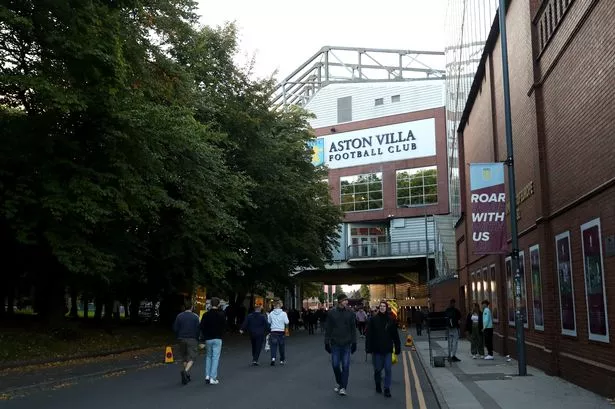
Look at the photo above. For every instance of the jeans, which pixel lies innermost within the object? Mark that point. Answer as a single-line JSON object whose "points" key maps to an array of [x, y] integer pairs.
{"points": [[382, 361], [488, 334], [276, 339], [476, 339], [453, 339], [340, 356], [257, 345], [419, 329], [212, 358]]}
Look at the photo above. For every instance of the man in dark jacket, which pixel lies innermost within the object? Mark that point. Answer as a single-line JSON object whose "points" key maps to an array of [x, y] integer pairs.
{"points": [[256, 325], [213, 324], [382, 336], [341, 341]]}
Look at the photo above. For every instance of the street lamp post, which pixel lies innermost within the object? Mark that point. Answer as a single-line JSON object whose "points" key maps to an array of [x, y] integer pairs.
{"points": [[512, 193]]}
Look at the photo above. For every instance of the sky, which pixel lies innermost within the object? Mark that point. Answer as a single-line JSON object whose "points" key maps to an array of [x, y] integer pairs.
{"points": [[281, 35]]}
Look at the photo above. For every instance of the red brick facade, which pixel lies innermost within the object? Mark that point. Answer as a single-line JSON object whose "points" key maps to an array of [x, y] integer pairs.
{"points": [[562, 99], [389, 169]]}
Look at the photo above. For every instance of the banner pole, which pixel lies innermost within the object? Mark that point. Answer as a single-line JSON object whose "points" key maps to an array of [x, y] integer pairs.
{"points": [[520, 332]]}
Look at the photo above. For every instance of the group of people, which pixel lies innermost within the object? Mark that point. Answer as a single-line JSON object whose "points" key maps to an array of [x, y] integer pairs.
{"points": [[478, 325], [341, 327], [382, 340], [208, 334]]}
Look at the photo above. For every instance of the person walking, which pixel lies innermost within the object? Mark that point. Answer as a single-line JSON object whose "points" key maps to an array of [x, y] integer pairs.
{"points": [[362, 321], [382, 341], [419, 318], [278, 320], [186, 328], [213, 324], [474, 327], [453, 316], [256, 326], [341, 341], [488, 329]]}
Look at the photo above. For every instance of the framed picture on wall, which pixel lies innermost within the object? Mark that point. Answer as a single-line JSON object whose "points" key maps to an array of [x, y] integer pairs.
{"points": [[536, 279], [595, 293], [566, 284], [509, 292], [494, 295], [523, 288]]}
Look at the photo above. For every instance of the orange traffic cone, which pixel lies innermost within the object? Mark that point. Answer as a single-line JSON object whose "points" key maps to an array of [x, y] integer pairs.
{"points": [[168, 355]]}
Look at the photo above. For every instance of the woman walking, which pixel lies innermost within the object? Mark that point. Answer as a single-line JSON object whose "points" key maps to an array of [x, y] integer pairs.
{"points": [[474, 326]]}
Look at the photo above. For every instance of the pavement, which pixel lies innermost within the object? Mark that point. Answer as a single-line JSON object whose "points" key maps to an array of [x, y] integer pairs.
{"points": [[476, 383], [142, 381]]}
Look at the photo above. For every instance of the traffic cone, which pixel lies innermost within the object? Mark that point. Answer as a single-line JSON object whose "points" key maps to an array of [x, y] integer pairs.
{"points": [[168, 355], [409, 341]]}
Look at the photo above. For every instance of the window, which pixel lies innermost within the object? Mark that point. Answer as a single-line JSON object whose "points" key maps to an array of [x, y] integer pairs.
{"points": [[494, 295], [379, 101], [417, 187], [395, 98], [368, 241], [344, 109], [361, 192]]}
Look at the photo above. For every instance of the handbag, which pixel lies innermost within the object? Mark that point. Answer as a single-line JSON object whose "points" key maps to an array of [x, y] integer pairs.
{"points": [[394, 359], [267, 346]]}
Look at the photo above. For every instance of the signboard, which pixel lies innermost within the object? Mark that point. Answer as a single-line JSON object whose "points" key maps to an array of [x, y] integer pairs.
{"points": [[488, 206], [408, 140]]}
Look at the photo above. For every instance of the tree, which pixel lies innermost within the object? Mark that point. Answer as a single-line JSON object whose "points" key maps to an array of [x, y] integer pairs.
{"points": [[364, 291], [138, 160]]}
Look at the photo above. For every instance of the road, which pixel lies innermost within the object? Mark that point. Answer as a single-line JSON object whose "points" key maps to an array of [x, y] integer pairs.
{"points": [[305, 382]]}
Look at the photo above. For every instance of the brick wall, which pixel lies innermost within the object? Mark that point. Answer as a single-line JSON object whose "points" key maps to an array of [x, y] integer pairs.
{"points": [[442, 293], [563, 119]]}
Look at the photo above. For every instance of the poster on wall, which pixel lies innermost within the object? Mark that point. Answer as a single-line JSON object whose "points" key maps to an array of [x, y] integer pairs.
{"points": [[539, 323], [494, 296], [566, 285], [595, 294], [509, 294], [523, 288], [488, 207]]}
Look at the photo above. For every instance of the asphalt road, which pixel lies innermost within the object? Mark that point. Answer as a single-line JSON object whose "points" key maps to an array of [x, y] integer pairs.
{"points": [[305, 382]]}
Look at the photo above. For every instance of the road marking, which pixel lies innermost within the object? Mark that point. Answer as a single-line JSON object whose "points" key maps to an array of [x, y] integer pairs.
{"points": [[417, 382], [407, 384]]}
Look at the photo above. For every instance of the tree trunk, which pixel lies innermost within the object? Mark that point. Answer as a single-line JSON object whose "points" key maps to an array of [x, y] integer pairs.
{"points": [[10, 302], [86, 301], [73, 303], [126, 309], [99, 308], [134, 309]]}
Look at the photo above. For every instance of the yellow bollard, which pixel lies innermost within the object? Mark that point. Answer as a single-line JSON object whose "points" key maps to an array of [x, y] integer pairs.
{"points": [[168, 355]]}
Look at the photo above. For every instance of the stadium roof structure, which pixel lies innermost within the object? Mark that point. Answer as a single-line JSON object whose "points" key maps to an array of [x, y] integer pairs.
{"points": [[335, 65]]}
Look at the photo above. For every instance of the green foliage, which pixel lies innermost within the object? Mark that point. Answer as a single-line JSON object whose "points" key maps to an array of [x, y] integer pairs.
{"points": [[138, 160], [364, 291]]}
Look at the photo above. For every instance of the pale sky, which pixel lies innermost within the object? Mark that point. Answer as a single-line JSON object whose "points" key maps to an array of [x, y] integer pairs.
{"points": [[284, 34]]}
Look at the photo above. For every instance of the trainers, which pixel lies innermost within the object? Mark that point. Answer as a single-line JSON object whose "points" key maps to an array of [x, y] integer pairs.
{"points": [[387, 393], [489, 358], [207, 379], [336, 389], [184, 377], [342, 392], [282, 362], [474, 356], [273, 362], [455, 359], [378, 388]]}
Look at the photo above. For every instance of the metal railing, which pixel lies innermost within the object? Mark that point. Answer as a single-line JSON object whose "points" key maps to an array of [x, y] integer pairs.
{"points": [[390, 249]]}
